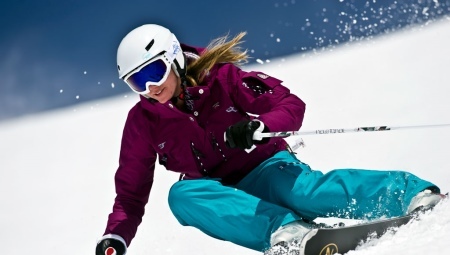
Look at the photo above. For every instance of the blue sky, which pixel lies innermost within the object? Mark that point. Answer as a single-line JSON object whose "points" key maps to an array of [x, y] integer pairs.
{"points": [[59, 53]]}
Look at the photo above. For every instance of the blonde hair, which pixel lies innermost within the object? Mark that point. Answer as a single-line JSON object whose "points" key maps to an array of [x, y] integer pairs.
{"points": [[219, 50]]}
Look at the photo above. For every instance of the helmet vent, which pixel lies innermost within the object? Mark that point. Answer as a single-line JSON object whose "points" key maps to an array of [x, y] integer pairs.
{"points": [[147, 48]]}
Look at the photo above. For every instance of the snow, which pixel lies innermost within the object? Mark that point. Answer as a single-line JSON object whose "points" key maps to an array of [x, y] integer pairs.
{"points": [[57, 168], [428, 235]]}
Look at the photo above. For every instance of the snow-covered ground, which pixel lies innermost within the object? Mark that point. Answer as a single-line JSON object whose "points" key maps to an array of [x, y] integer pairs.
{"points": [[56, 168]]}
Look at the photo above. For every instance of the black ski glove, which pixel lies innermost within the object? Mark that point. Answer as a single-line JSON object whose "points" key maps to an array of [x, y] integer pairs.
{"points": [[110, 246], [240, 135]]}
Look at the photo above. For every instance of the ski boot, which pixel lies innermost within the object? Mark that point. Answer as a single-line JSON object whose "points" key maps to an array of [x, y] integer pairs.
{"points": [[424, 201], [285, 241]]}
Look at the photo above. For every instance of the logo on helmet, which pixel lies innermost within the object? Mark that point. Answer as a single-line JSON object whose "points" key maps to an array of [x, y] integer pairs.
{"points": [[176, 48], [146, 56]]}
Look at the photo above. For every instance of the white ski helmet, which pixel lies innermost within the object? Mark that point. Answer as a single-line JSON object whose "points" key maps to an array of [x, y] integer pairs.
{"points": [[145, 42]]}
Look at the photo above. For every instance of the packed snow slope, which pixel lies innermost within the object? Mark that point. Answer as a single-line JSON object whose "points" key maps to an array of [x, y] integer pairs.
{"points": [[57, 168]]}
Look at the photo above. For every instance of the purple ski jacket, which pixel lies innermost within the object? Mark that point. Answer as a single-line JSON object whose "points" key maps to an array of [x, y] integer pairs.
{"points": [[192, 144]]}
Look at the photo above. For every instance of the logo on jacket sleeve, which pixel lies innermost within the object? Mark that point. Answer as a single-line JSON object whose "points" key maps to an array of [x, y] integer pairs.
{"points": [[231, 109], [262, 76]]}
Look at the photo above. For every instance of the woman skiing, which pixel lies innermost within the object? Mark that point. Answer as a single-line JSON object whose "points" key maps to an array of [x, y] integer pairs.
{"points": [[194, 118]]}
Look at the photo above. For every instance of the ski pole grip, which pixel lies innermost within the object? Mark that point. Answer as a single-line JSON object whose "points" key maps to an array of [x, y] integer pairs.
{"points": [[258, 136]]}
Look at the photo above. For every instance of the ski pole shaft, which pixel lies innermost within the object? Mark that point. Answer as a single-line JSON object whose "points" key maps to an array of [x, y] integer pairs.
{"points": [[260, 136]]}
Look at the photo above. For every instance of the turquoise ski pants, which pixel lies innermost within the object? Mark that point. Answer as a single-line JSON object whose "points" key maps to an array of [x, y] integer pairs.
{"points": [[281, 190]]}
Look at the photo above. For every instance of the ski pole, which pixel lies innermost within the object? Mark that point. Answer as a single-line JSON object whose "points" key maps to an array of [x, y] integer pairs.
{"points": [[259, 136]]}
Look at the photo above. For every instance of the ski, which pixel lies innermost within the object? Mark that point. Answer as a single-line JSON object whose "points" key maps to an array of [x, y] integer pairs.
{"points": [[328, 241]]}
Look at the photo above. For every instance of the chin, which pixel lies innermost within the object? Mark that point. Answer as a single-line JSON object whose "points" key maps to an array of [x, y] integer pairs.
{"points": [[162, 101]]}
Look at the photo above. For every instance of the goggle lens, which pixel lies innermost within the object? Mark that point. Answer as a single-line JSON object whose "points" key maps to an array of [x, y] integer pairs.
{"points": [[153, 72]]}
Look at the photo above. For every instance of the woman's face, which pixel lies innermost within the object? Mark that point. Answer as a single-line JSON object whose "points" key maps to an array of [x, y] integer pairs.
{"points": [[167, 90]]}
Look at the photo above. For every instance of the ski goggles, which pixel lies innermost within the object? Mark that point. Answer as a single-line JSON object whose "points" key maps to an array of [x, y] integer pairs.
{"points": [[152, 72]]}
